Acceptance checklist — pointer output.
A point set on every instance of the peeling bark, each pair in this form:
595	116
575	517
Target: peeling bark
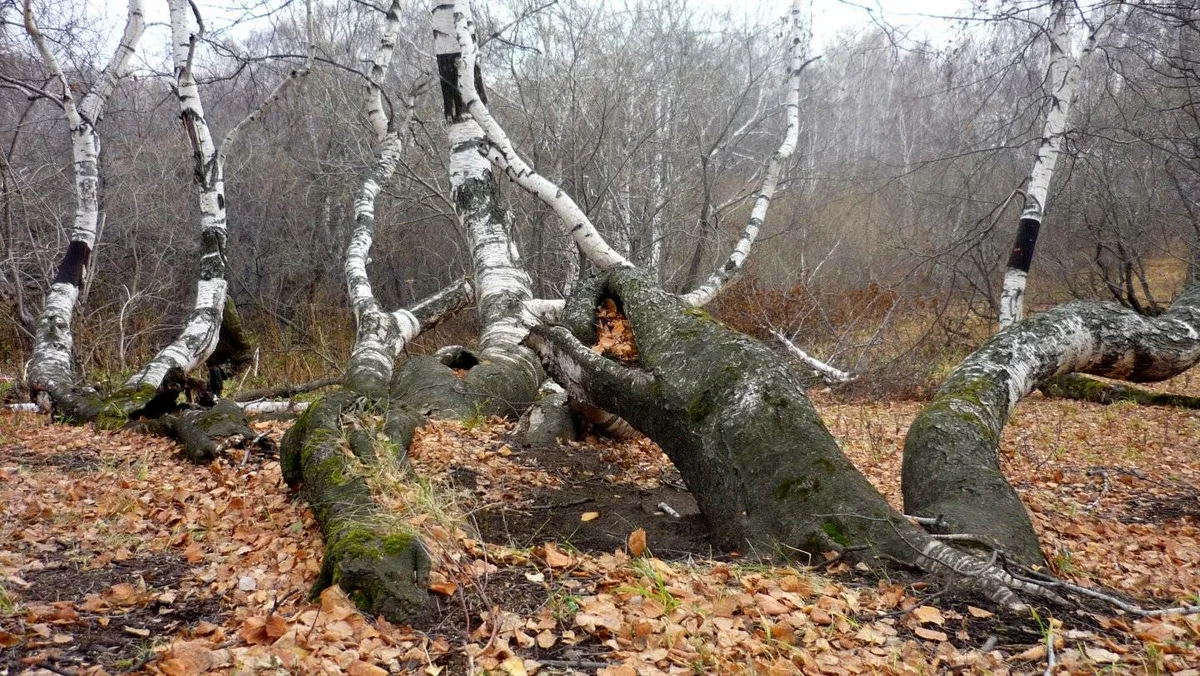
738	425
950	466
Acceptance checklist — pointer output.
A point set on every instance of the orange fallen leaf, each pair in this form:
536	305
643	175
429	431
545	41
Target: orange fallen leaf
928	615
637	542
361	668
446	588
254	631
276	626
553	558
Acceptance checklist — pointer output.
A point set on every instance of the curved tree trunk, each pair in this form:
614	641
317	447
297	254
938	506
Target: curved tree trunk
950	466
52	369
738	425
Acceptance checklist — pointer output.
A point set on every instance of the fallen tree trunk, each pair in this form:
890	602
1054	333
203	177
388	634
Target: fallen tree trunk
377	559
285	390
1082	388
738	425
950	466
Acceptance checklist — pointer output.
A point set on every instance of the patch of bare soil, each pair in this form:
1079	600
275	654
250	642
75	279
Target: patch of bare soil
590	512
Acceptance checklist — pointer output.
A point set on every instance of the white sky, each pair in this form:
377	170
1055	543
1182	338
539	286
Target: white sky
829	16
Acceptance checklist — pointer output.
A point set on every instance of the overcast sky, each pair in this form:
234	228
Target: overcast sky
829	16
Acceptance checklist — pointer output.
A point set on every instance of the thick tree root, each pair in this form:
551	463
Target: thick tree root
951	470
549	421
206	432
737	423
1082	388
377	559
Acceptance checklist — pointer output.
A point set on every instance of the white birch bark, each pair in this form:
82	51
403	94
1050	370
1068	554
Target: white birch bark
737	258
380	335
199	336
1062	76
657	185
52	364
499	150
503	285
202	330
830	374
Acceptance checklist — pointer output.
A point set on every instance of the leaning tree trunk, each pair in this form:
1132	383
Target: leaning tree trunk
1062	76
738	425
52	368
951	470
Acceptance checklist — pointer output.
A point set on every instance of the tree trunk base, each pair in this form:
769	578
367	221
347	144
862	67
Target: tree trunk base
737	423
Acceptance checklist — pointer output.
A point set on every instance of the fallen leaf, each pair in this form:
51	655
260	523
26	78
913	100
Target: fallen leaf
514	665
928	615
446	588
979	612
1101	655
930	634
1035	653
589	516
555	558
276	626
361	668
637	542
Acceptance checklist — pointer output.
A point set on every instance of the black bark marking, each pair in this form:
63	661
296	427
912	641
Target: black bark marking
1022	252
74	264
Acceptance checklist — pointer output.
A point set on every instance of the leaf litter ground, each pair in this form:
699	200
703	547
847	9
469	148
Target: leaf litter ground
118	556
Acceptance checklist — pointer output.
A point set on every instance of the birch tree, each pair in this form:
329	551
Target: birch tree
52	370
380	562
731	415
1062	77
149	391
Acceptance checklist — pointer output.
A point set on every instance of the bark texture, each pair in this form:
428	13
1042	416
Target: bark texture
378	560
738	424
950	465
